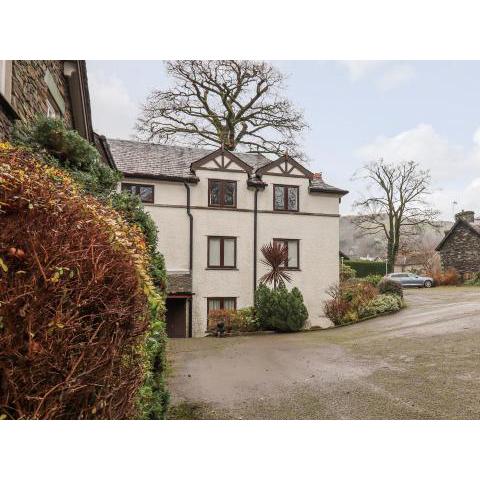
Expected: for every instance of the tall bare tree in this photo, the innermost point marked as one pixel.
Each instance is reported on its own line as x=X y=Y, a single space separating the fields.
x=396 y=204
x=237 y=104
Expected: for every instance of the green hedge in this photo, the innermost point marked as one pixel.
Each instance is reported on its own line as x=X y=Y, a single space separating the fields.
x=366 y=267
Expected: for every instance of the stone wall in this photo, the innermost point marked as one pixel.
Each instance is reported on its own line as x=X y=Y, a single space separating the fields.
x=462 y=251
x=30 y=92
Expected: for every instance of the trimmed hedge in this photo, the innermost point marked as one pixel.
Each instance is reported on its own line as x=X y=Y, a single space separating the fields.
x=366 y=267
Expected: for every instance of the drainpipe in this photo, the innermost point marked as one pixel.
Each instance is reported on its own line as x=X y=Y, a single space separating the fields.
x=255 y=229
x=190 y=260
x=189 y=213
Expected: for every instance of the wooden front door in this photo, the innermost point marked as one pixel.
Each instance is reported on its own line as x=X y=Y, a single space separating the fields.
x=176 y=317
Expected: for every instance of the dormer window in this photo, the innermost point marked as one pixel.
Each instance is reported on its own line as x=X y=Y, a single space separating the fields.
x=285 y=198
x=222 y=193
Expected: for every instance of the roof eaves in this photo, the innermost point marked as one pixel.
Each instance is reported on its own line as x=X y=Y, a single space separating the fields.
x=167 y=178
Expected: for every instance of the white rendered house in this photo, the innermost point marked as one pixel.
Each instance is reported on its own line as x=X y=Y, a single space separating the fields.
x=215 y=209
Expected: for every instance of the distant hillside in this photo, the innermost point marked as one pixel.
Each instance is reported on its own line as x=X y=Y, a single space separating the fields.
x=356 y=244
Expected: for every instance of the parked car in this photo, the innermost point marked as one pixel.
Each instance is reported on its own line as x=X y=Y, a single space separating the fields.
x=411 y=279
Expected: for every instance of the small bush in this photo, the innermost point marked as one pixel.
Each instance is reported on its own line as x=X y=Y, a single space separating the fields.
x=381 y=304
x=245 y=320
x=82 y=334
x=389 y=286
x=347 y=273
x=474 y=280
x=279 y=309
x=373 y=279
x=221 y=320
x=449 y=277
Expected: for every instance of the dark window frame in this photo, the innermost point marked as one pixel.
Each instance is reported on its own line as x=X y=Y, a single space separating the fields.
x=286 y=240
x=131 y=184
x=222 y=193
x=222 y=303
x=222 y=252
x=285 y=198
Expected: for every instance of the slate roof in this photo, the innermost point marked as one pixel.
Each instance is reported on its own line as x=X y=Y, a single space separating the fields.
x=318 y=185
x=143 y=159
x=179 y=282
x=133 y=157
x=474 y=227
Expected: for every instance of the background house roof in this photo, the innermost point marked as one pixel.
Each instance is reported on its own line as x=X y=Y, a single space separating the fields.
x=474 y=227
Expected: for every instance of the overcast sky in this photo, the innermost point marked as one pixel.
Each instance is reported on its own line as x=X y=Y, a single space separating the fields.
x=358 y=111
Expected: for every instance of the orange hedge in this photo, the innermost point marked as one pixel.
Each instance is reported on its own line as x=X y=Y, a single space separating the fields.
x=76 y=302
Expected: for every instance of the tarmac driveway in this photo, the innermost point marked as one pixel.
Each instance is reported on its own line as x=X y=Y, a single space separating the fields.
x=421 y=363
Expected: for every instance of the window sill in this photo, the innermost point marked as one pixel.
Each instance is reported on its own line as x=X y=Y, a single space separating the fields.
x=219 y=207
x=285 y=211
x=222 y=268
x=292 y=269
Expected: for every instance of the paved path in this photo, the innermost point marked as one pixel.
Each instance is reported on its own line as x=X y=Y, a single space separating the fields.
x=422 y=363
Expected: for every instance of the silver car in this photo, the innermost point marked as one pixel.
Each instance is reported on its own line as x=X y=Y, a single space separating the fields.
x=411 y=279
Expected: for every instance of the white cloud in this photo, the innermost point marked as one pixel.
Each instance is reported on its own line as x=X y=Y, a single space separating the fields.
x=384 y=75
x=114 y=112
x=455 y=169
x=396 y=76
x=358 y=69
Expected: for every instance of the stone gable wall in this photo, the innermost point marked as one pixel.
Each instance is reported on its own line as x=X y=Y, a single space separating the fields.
x=30 y=91
x=462 y=251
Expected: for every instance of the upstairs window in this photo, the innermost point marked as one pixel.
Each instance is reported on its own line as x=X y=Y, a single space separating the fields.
x=285 y=198
x=222 y=193
x=222 y=252
x=145 y=192
x=293 y=262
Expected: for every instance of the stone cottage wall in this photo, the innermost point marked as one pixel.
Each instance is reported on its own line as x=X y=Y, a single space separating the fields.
x=30 y=92
x=462 y=251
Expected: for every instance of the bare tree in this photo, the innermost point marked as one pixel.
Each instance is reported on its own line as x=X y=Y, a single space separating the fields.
x=396 y=204
x=237 y=104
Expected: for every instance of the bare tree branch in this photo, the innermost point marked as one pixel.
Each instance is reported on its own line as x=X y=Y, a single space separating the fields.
x=237 y=104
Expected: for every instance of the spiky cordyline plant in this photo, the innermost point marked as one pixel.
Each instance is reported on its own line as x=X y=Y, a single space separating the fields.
x=275 y=256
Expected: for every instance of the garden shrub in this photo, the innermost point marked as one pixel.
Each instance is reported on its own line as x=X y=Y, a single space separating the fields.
x=347 y=299
x=221 y=317
x=366 y=267
x=449 y=277
x=389 y=286
x=132 y=210
x=373 y=279
x=82 y=331
x=280 y=309
x=474 y=280
x=382 y=303
x=346 y=273
x=68 y=150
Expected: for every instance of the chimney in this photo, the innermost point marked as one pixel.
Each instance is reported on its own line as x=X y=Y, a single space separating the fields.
x=317 y=176
x=467 y=216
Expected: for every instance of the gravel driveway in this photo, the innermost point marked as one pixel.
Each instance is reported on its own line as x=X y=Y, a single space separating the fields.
x=421 y=363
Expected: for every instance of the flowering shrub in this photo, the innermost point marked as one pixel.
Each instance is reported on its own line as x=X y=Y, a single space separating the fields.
x=81 y=331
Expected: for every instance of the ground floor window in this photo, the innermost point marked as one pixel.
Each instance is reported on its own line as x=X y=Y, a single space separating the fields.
x=221 y=303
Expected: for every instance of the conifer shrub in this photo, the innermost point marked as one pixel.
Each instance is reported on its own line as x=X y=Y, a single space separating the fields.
x=81 y=323
x=280 y=309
